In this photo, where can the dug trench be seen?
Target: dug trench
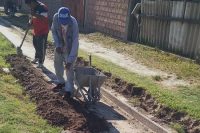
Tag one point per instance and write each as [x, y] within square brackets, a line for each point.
[148, 103]
[145, 101]
[72, 115]
[56, 107]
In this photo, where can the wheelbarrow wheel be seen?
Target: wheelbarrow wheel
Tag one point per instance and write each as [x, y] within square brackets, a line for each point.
[95, 95]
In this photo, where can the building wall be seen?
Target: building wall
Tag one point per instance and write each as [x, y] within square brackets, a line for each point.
[53, 6]
[107, 16]
[77, 9]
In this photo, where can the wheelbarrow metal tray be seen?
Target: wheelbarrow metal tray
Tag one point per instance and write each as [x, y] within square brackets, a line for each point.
[84, 74]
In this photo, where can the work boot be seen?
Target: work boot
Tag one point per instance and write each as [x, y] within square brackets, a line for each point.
[67, 95]
[40, 65]
[58, 87]
[34, 61]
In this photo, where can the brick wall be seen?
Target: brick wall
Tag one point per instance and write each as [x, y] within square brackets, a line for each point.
[107, 16]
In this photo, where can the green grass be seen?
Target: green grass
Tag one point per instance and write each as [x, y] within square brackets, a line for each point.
[182, 99]
[17, 113]
[179, 128]
[50, 38]
[154, 58]
[6, 48]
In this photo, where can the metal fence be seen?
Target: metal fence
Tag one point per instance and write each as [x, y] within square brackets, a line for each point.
[172, 25]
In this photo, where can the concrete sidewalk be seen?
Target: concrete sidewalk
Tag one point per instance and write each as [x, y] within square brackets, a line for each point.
[120, 125]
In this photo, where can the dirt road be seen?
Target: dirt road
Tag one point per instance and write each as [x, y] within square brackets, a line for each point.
[169, 80]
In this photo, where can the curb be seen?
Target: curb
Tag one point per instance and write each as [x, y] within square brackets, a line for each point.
[125, 107]
[133, 112]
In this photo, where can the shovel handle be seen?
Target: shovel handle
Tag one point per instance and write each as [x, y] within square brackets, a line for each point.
[24, 37]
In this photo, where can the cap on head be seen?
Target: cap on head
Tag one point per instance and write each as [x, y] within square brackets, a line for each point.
[64, 16]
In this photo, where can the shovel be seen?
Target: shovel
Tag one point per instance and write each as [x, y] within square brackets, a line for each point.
[19, 50]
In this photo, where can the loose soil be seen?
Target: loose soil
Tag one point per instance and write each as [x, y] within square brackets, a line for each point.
[72, 115]
[146, 102]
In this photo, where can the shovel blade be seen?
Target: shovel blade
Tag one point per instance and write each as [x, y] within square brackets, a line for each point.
[19, 51]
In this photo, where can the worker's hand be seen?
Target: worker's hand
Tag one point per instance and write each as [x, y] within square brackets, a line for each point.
[59, 50]
[68, 66]
[30, 22]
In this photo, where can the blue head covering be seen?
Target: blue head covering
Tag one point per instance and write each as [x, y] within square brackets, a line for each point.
[64, 16]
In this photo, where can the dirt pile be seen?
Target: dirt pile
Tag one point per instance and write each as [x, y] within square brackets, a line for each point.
[150, 105]
[71, 114]
[144, 100]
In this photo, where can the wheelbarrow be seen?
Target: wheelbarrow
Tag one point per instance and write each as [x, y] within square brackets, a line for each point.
[89, 81]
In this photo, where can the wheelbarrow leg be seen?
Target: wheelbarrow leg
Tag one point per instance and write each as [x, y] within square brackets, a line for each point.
[90, 91]
[82, 93]
[80, 89]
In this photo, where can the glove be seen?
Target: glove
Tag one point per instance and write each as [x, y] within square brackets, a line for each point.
[29, 22]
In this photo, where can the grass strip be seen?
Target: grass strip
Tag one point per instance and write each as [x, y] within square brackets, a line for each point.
[17, 113]
[183, 99]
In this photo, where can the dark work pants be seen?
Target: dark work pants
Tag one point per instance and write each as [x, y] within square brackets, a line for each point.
[39, 43]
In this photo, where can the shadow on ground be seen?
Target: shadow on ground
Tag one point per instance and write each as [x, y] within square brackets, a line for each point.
[73, 115]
